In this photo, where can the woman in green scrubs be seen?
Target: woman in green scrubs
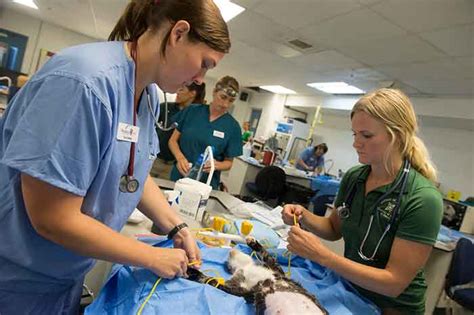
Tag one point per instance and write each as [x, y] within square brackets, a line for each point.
[200, 126]
[388, 210]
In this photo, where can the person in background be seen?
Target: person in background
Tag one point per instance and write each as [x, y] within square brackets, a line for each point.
[387, 210]
[200, 126]
[186, 95]
[20, 82]
[312, 158]
[247, 134]
[76, 147]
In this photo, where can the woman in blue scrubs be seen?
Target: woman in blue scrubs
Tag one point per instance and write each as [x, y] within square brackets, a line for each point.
[312, 158]
[78, 138]
[200, 126]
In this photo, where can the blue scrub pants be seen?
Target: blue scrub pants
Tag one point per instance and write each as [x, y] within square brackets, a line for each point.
[64, 302]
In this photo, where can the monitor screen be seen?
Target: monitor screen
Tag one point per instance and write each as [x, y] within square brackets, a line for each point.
[453, 214]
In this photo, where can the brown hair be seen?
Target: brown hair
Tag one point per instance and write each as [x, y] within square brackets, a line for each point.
[323, 146]
[200, 90]
[227, 81]
[204, 17]
[393, 108]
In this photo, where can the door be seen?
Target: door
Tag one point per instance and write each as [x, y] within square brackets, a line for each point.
[254, 119]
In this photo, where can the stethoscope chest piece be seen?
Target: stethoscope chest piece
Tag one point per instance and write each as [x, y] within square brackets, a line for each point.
[343, 211]
[128, 184]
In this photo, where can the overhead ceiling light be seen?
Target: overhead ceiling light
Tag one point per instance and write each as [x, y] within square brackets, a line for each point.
[28, 3]
[277, 89]
[228, 9]
[336, 88]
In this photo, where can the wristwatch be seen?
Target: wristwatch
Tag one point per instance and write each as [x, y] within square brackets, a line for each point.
[176, 229]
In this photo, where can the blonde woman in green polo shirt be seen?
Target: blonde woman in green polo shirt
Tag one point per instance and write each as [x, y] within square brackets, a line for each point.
[388, 209]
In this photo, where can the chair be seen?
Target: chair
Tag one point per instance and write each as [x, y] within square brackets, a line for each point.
[269, 183]
[319, 204]
[296, 193]
[459, 285]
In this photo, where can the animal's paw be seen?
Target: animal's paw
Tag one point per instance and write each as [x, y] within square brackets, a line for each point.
[250, 240]
[253, 244]
[194, 274]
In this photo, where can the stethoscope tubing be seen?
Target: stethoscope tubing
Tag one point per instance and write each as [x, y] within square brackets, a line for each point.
[344, 211]
[128, 183]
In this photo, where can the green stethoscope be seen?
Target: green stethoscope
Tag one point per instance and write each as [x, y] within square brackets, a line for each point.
[344, 210]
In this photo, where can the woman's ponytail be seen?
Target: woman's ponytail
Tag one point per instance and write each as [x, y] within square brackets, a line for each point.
[420, 159]
[133, 21]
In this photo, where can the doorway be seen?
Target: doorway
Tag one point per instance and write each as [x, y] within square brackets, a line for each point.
[255, 119]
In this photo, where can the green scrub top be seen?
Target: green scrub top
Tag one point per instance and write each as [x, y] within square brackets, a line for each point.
[419, 220]
[197, 132]
[164, 136]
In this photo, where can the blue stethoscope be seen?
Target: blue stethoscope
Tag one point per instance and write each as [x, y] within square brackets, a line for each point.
[128, 183]
[344, 211]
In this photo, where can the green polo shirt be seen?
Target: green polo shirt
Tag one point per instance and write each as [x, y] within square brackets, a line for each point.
[419, 220]
[197, 132]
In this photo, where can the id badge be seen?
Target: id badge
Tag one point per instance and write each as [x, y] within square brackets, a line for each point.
[218, 134]
[127, 132]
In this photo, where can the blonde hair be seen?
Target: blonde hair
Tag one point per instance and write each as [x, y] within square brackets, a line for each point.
[393, 108]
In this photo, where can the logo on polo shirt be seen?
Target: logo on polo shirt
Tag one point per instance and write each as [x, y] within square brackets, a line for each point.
[386, 207]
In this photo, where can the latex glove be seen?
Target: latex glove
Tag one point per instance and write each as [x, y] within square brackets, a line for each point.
[289, 211]
[184, 240]
[183, 166]
[307, 245]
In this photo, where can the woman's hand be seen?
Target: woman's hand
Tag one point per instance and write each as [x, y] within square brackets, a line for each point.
[169, 262]
[290, 211]
[207, 166]
[307, 245]
[184, 240]
[182, 165]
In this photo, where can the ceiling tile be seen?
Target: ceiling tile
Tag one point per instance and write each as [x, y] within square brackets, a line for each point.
[352, 27]
[107, 14]
[369, 2]
[326, 60]
[247, 4]
[455, 41]
[442, 69]
[467, 63]
[259, 31]
[396, 50]
[73, 15]
[421, 45]
[426, 15]
[298, 13]
[348, 75]
[463, 88]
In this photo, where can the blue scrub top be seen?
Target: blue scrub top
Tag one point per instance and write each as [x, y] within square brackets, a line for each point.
[197, 132]
[310, 159]
[61, 128]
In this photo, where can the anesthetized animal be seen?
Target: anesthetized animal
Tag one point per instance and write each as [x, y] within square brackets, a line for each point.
[264, 285]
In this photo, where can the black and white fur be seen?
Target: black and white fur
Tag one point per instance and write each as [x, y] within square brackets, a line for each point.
[264, 285]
